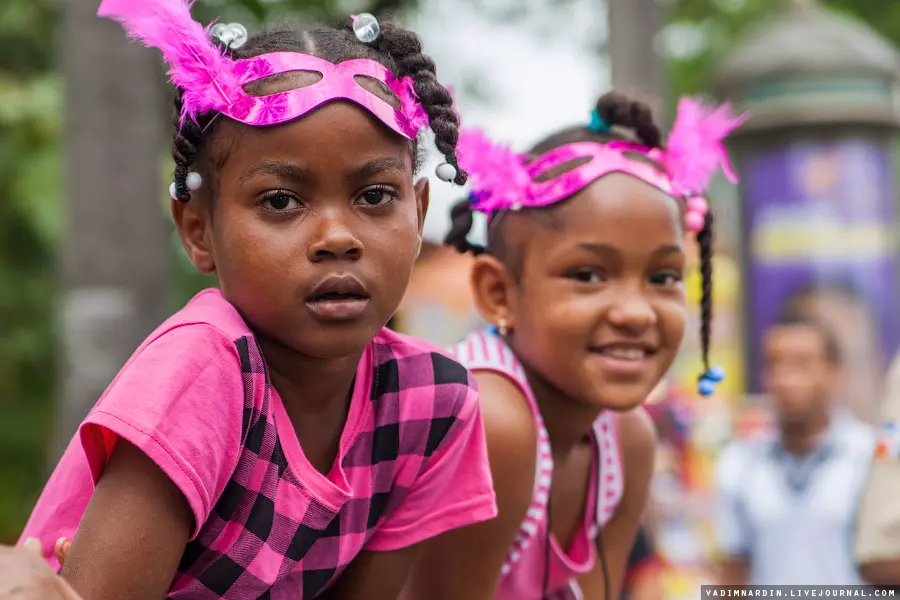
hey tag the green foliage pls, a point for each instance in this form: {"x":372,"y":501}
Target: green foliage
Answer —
{"x":700,"y":32}
{"x":30,"y":101}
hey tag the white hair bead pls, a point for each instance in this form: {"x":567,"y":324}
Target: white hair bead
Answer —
{"x":173,"y":193}
{"x":194,"y":181}
{"x":233,"y":35}
{"x":445,"y":172}
{"x":366,"y":28}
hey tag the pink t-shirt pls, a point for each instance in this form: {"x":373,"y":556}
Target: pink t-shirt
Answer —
{"x":197,"y":399}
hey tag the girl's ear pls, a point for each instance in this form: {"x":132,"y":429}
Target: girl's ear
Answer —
{"x":193,"y":223}
{"x":493,"y":291}
{"x":423,"y":195}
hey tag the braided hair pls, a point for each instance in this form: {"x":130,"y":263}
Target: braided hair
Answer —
{"x":629,"y":120}
{"x":398,"y":49}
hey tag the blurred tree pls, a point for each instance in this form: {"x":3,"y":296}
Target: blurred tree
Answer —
{"x":698,"y":32}
{"x":30,"y":111}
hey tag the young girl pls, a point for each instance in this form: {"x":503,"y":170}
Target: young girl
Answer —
{"x":582,"y":277}
{"x":271,"y":440}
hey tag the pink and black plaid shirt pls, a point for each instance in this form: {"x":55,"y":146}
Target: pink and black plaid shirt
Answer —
{"x":197,"y":399}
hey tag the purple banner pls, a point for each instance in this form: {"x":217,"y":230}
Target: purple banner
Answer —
{"x":819,"y":220}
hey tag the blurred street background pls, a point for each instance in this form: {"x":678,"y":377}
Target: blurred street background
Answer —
{"x":90,"y":264}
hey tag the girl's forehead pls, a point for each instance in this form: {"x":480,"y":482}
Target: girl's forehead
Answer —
{"x":333,"y":139}
{"x":617,"y":202}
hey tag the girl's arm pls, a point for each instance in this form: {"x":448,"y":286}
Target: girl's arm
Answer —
{"x":466,"y":562}
{"x":638,"y":439}
{"x":133,"y":533}
{"x":373,"y":576}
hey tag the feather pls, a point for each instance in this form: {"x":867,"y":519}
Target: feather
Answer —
{"x":498,"y":175}
{"x":410,"y":106}
{"x":196,"y":65}
{"x":695,"y":150}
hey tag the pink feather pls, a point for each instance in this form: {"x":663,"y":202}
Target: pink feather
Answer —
{"x":695,"y":150}
{"x":196,"y":65}
{"x":409,"y":102}
{"x":498,"y":176}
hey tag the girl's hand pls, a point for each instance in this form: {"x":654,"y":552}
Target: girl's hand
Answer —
{"x":25,"y":575}
{"x":63,"y":545}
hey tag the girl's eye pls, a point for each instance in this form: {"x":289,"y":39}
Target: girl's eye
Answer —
{"x":586,"y":275}
{"x":378,"y":196}
{"x":665,"y":278}
{"x":280,"y":201}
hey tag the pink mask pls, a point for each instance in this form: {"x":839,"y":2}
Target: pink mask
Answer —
{"x":502,"y":180}
{"x":212,"y":81}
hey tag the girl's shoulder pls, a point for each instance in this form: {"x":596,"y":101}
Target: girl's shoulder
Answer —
{"x":510,"y":412}
{"x":637,"y":435}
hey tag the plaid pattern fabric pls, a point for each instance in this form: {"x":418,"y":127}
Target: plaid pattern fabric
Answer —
{"x":269,"y":536}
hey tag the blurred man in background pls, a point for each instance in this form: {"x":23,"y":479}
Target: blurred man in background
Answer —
{"x":786,"y":503}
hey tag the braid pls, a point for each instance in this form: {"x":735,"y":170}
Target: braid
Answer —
{"x":705,"y":242}
{"x":185,"y":147}
{"x":617,"y":109}
{"x":460,"y":225}
{"x":188,"y":138}
{"x":405,"y":48}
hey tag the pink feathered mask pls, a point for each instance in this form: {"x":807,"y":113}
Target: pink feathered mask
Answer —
{"x":213,"y":81}
{"x":503,"y":180}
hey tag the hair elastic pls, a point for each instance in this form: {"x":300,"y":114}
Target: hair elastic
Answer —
{"x":598,"y":123}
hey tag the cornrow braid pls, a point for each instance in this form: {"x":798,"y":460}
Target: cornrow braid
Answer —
{"x":405,"y":48}
{"x":185,"y":148}
{"x":705,"y":243}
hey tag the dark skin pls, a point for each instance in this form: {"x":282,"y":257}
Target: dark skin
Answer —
{"x":605,"y":271}
{"x":798,"y":375}
{"x":330,"y":193}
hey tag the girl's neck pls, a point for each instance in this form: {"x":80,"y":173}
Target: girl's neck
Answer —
{"x":309,"y":385}
{"x":568,"y":421}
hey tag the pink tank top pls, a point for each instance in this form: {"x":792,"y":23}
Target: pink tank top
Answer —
{"x":522,"y":575}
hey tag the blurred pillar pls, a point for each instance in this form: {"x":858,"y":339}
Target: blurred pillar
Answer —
{"x":636,"y":67}
{"x":114,"y":255}
{"x":817,"y":185}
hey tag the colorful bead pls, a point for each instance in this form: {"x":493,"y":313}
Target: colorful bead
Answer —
{"x":705,"y":387}
{"x":715,"y":374}
{"x":694,"y":221}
